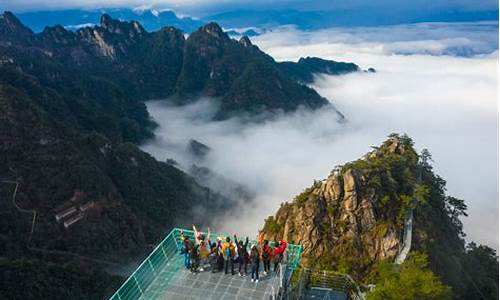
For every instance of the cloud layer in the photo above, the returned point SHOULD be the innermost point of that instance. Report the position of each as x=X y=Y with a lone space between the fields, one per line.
x=447 y=103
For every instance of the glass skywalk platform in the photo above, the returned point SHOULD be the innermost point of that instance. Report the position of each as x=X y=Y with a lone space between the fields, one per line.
x=162 y=275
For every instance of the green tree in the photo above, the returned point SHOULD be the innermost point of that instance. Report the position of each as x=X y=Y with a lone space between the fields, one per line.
x=456 y=208
x=412 y=280
x=481 y=272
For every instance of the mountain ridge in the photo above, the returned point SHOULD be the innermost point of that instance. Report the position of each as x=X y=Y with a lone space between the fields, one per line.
x=164 y=64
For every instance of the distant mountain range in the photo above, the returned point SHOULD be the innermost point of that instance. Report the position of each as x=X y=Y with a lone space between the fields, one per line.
x=74 y=19
x=314 y=20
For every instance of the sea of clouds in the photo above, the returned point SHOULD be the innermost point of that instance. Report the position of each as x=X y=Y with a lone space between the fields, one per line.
x=436 y=82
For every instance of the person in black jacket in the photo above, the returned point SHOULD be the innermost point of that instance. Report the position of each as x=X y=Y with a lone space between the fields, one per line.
x=220 y=258
x=214 y=257
x=255 y=261
x=242 y=255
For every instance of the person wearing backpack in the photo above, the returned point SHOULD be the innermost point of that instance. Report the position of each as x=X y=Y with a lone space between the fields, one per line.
x=255 y=262
x=242 y=255
x=266 y=256
x=228 y=253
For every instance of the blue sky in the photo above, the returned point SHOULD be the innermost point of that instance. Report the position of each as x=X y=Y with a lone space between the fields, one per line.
x=201 y=8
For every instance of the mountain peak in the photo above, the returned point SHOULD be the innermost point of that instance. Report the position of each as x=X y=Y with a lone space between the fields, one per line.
x=58 y=34
x=214 y=29
x=9 y=16
x=106 y=21
x=119 y=27
x=245 y=41
x=352 y=209
x=11 y=27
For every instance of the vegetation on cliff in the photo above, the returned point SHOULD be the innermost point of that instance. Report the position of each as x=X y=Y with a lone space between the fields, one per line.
x=353 y=221
x=412 y=280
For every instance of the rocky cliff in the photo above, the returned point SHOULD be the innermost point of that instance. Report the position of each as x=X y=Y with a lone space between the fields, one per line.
x=345 y=221
x=353 y=220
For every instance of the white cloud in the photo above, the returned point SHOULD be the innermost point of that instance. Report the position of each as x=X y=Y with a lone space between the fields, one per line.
x=446 y=103
x=464 y=39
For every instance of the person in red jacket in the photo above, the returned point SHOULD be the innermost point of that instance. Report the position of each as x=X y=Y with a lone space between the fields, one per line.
x=278 y=252
x=267 y=254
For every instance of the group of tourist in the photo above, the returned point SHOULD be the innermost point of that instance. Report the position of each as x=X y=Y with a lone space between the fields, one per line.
x=224 y=253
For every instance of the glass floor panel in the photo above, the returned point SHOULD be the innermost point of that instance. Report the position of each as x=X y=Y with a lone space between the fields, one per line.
x=177 y=282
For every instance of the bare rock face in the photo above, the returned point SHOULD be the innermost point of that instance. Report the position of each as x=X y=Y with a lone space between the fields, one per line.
x=341 y=221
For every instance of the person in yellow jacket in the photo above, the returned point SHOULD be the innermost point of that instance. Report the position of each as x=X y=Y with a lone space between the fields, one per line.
x=228 y=252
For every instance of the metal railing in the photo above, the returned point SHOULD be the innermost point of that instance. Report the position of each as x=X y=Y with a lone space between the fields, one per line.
x=305 y=279
x=166 y=255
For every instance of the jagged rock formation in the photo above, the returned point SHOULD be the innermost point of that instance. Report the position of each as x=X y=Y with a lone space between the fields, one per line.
x=354 y=219
x=344 y=220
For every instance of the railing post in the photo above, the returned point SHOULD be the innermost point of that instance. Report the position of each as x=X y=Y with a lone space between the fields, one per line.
x=138 y=286
x=301 y=282
x=151 y=265
x=164 y=253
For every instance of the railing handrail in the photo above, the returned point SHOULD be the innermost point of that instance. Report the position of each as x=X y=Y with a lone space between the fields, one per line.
x=142 y=277
x=330 y=279
x=142 y=263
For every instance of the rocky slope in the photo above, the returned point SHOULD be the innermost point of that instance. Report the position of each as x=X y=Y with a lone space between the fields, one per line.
x=354 y=219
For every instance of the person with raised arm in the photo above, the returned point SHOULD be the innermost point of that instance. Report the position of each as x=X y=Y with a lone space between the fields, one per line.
x=204 y=247
x=278 y=254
